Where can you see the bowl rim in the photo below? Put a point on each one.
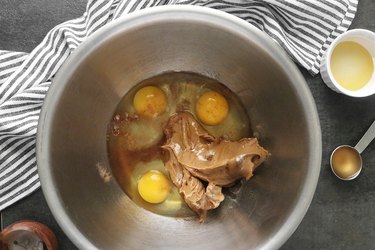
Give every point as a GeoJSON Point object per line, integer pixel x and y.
{"type": "Point", "coordinates": [186, 11]}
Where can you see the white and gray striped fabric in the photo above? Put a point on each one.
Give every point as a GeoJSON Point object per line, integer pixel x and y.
{"type": "Point", "coordinates": [304, 28]}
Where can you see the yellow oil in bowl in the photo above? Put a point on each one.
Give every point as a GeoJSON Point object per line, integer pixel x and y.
{"type": "Point", "coordinates": [352, 65]}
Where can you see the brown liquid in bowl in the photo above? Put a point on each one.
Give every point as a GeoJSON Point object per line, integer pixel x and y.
{"type": "Point", "coordinates": [134, 142]}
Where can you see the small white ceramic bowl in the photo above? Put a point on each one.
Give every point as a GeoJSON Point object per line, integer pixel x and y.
{"type": "Point", "coordinates": [363, 37]}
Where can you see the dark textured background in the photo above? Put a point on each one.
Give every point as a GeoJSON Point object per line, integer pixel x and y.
{"type": "Point", "coordinates": [342, 214]}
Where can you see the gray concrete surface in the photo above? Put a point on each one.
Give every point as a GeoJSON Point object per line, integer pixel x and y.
{"type": "Point", "coordinates": [342, 214]}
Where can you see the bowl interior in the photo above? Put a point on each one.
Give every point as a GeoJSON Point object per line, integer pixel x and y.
{"type": "Point", "coordinates": [72, 154]}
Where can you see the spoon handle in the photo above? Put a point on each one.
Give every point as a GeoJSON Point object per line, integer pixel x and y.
{"type": "Point", "coordinates": [366, 139]}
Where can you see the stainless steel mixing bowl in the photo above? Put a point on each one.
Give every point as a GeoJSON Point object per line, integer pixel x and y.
{"type": "Point", "coordinates": [71, 147]}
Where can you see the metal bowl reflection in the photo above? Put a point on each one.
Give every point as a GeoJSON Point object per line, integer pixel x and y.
{"type": "Point", "coordinates": [71, 147]}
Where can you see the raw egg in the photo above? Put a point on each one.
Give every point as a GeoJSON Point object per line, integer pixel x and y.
{"type": "Point", "coordinates": [212, 108]}
{"type": "Point", "coordinates": [135, 152]}
{"type": "Point", "coordinates": [150, 102]}
{"type": "Point", "coordinates": [153, 187]}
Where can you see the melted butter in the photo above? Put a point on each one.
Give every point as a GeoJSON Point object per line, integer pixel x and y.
{"type": "Point", "coordinates": [352, 65]}
{"type": "Point", "coordinates": [346, 162]}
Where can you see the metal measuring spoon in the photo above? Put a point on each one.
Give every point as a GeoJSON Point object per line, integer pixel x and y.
{"type": "Point", "coordinates": [346, 161]}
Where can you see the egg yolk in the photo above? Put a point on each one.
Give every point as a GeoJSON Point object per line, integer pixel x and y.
{"type": "Point", "coordinates": [212, 108]}
{"type": "Point", "coordinates": [150, 102]}
{"type": "Point", "coordinates": [153, 187]}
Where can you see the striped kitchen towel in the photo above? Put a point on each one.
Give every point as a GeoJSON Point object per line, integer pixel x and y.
{"type": "Point", "coordinates": [304, 28]}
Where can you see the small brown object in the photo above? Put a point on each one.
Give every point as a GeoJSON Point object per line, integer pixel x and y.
{"type": "Point", "coordinates": [346, 162]}
{"type": "Point", "coordinates": [195, 157]}
{"type": "Point", "coordinates": [27, 235]}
